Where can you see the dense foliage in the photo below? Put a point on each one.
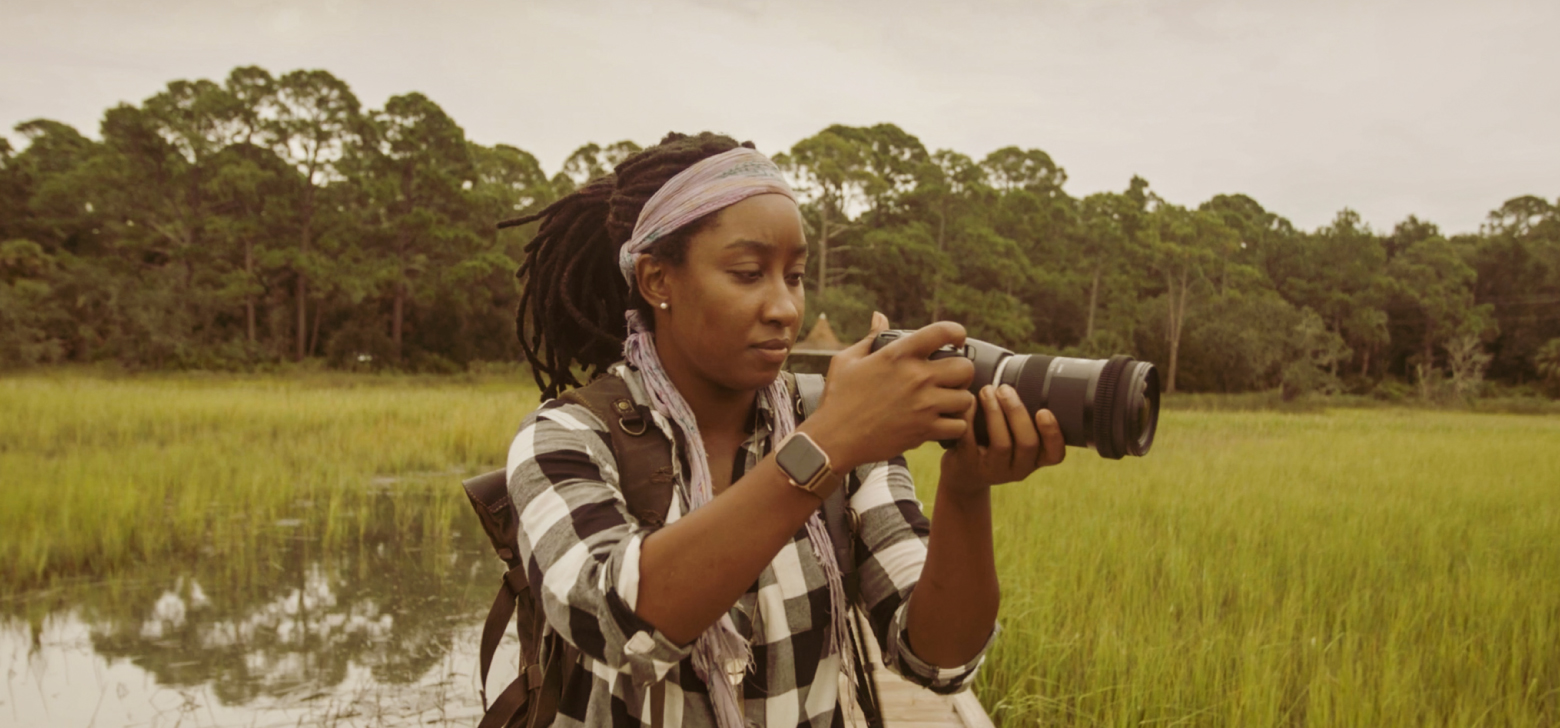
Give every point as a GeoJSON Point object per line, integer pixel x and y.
{"type": "Point", "coordinates": [268, 219]}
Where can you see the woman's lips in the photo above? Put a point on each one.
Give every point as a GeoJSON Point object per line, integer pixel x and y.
{"type": "Point", "coordinates": [774, 350]}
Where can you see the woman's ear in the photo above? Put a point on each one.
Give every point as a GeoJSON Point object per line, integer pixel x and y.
{"type": "Point", "coordinates": [650, 276]}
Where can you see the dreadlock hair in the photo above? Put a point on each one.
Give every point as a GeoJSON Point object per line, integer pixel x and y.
{"type": "Point", "coordinates": [573, 296]}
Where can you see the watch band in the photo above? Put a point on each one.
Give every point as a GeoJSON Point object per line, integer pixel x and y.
{"type": "Point", "coordinates": [804, 463]}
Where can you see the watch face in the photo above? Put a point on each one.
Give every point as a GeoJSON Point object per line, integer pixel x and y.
{"type": "Point", "coordinates": [800, 459]}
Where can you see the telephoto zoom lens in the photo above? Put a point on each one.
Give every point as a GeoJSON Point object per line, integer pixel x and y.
{"type": "Point", "coordinates": [1110, 405]}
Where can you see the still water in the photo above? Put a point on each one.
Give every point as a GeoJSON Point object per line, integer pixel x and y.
{"type": "Point", "coordinates": [380, 631]}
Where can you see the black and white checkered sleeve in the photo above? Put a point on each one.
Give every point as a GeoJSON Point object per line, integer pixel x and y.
{"type": "Point", "coordinates": [895, 533]}
{"type": "Point", "coordinates": [580, 545]}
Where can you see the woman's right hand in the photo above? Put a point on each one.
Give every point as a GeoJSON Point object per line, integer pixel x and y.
{"type": "Point", "coordinates": [879, 404]}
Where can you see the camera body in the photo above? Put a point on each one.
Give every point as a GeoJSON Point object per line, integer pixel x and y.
{"type": "Point", "coordinates": [1110, 405]}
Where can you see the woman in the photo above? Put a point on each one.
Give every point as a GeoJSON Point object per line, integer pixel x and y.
{"type": "Point", "coordinates": [735, 607]}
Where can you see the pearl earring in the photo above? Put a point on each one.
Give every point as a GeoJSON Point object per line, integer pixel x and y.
{"type": "Point", "coordinates": [663, 306]}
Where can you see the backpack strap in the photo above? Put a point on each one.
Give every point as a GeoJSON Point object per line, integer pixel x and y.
{"type": "Point", "coordinates": [489, 496]}
{"type": "Point", "coordinates": [562, 659]}
{"type": "Point", "coordinates": [642, 452]}
{"type": "Point", "coordinates": [809, 392]}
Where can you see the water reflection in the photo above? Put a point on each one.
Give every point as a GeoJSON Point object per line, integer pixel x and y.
{"type": "Point", "coordinates": [374, 630]}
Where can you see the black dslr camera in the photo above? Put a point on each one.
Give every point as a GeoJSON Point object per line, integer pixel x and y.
{"type": "Point", "coordinates": [1111, 405]}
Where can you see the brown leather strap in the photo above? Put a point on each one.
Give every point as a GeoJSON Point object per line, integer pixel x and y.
{"type": "Point", "coordinates": [658, 704]}
{"type": "Point", "coordinates": [562, 659]}
{"type": "Point", "coordinates": [514, 596]}
{"type": "Point", "coordinates": [508, 704]}
{"type": "Point", "coordinates": [642, 452]}
{"type": "Point", "coordinates": [493, 633]}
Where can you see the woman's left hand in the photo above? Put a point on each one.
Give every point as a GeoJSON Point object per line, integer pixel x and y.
{"type": "Point", "coordinates": [1018, 445]}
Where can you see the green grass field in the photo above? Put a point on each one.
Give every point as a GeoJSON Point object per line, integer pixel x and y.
{"type": "Point", "coordinates": [99, 473]}
{"type": "Point", "coordinates": [1339, 568]}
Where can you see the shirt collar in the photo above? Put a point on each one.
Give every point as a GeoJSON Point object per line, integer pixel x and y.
{"type": "Point", "coordinates": [764, 423]}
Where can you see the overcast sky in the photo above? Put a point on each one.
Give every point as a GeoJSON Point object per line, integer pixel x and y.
{"type": "Point", "coordinates": [1440, 109]}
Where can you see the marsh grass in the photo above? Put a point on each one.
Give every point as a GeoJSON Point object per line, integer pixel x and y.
{"type": "Point", "coordinates": [1332, 567]}
{"type": "Point", "coordinates": [1356, 567]}
{"type": "Point", "coordinates": [100, 473]}
{"type": "Point", "coordinates": [1273, 401]}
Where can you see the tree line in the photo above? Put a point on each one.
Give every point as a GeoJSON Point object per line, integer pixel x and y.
{"type": "Point", "coordinates": [265, 219]}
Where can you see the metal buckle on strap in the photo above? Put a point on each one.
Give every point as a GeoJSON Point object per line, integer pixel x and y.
{"type": "Point", "coordinates": [629, 418]}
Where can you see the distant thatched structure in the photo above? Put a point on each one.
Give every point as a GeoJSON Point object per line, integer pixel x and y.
{"type": "Point", "coordinates": [821, 340]}
{"type": "Point", "coordinates": [812, 354]}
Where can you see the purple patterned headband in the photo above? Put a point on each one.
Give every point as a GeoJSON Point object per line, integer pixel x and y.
{"type": "Point", "coordinates": [712, 184]}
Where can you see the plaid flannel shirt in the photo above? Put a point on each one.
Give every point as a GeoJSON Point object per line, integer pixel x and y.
{"type": "Point", "coordinates": [581, 550]}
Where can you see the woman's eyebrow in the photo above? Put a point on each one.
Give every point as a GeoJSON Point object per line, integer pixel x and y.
{"type": "Point", "coordinates": [763, 246]}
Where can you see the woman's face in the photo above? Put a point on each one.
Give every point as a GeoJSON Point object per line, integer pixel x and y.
{"type": "Point", "coordinates": [735, 305]}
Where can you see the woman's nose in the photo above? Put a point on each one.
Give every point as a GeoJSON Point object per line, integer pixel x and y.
{"type": "Point", "coordinates": [780, 306]}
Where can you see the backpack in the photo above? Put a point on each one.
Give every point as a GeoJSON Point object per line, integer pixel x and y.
{"type": "Point", "coordinates": [646, 478]}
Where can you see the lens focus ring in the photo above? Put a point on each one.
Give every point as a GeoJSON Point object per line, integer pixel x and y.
{"type": "Point", "coordinates": [1105, 407]}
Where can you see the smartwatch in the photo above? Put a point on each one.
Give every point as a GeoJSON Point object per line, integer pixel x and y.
{"type": "Point", "coordinates": [806, 464]}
